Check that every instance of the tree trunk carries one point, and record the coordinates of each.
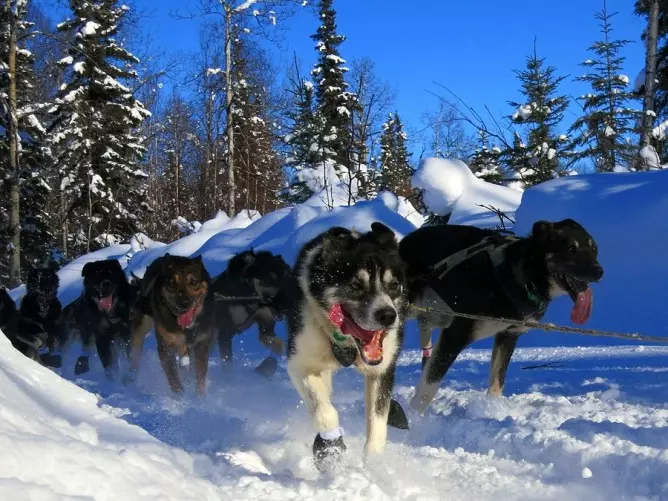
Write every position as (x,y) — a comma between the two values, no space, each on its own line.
(14,196)
(230,115)
(650,76)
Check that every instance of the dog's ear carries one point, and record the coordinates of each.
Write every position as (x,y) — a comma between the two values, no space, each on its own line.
(542,229)
(384,235)
(87,268)
(151,275)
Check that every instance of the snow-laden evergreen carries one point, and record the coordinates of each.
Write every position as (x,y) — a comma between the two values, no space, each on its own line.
(604,132)
(96,115)
(539,155)
(395,167)
(33,155)
(334,102)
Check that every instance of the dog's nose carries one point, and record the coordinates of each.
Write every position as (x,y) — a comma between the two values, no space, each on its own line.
(105,284)
(597,271)
(183,303)
(385,316)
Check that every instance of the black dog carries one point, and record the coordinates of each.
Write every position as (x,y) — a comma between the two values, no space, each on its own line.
(7,311)
(482,272)
(25,335)
(102,313)
(41,307)
(251,274)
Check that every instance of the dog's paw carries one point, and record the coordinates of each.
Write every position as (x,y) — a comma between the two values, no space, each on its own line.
(327,453)
(82,366)
(110,373)
(268,367)
(129,378)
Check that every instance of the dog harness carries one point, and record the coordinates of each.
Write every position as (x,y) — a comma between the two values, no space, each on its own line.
(525,300)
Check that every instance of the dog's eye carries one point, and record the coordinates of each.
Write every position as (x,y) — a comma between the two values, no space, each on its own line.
(171,285)
(394,287)
(357,285)
(194,282)
(573,249)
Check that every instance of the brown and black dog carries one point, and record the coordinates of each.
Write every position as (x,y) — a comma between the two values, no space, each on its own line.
(176,299)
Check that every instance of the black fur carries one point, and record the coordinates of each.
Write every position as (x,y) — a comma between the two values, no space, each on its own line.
(40,306)
(521,287)
(249,274)
(103,279)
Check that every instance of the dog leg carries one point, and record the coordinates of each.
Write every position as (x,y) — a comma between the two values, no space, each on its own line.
(449,345)
(106,352)
(82,365)
(425,340)
(225,351)
(504,346)
(378,392)
(315,389)
(201,353)
(168,362)
(266,335)
(141,325)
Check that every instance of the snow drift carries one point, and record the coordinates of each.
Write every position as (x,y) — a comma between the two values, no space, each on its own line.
(626,215)
(593,427)
(450,187)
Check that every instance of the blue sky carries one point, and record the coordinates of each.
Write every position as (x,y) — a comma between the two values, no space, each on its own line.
(469,46)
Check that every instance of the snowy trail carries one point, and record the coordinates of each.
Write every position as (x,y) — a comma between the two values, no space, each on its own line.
(604,411)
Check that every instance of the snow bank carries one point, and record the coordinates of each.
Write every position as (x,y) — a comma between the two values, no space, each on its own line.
(626,214)
(59,445)
(450,187)
(283,231)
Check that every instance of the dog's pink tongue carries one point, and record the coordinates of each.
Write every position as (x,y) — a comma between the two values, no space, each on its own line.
(371,340)
(186,319)
(106,303)
(582,308)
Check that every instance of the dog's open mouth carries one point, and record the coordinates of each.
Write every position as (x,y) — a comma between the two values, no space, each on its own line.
(582,296)
(186,319)
(369,343)
(106,303)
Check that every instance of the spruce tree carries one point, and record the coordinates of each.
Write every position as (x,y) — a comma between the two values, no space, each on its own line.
(395,167)
(33,157)
(541,112)
(335,103)
(96,116)
(304,140)
(259,173)
(603,132)
(484,162)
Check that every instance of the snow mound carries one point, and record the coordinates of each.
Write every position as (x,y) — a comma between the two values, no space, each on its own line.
(449,187)
(59,445)
(626,215)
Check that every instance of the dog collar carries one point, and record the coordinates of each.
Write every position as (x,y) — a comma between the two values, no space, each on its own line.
(339,337)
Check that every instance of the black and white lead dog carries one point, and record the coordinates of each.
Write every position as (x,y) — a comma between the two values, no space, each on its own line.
(348,292)
(482,272)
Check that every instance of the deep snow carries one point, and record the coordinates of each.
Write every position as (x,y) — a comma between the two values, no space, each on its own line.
(590,423)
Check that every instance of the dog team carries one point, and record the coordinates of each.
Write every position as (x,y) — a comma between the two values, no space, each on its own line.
(346,301)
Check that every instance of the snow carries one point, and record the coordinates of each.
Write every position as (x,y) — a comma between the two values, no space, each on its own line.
(244,6)
(639,81)
(609,131)
(522,112)
(90,28)
(624,79)
(594,428)
(66,60)
(451,188)
(650,157)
